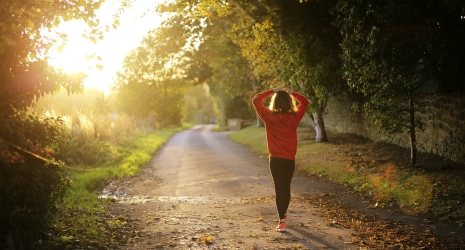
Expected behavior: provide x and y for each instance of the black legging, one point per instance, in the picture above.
(282, 171)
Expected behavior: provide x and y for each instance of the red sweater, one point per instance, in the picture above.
(281, 129)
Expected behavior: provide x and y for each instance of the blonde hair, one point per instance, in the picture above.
(282, 103)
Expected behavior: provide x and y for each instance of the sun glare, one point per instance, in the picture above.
(74, 56)
(101, 60)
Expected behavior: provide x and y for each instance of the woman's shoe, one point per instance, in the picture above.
(282, 225)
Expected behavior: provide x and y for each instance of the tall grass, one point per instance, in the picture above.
(100, 148)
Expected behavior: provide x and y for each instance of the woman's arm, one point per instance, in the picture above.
(302, 108)
(257, 102)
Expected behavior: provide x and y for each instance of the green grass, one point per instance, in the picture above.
(79, 217)
(415, 191)
(136, 153)
(252, 136)
(219, 128)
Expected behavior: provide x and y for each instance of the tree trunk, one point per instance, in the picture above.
(259, 121)
(320, 130)
(413, 139)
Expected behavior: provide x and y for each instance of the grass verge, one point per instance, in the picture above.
(80, 219)
(378, 170)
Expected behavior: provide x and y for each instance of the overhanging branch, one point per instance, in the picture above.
(243, 10)
(29, 153)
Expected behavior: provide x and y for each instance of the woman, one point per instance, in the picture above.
(281, 120)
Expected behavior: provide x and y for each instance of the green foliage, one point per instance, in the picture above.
(392, 48)
(217, 62)
(151, 83)
(251, 44)
(199, 105)
(80, 220)
(24, 73)
(91, 136)
(87, 152)
(29, 190)
(380, 59)
(28, 132)
(30, 182)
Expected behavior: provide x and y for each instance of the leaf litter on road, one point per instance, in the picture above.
(375, 233)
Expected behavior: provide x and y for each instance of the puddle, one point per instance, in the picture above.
(119, 194)
(172, 199)
(112, 191)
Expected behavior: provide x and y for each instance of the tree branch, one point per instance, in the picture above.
(243, 10)
(30, 153)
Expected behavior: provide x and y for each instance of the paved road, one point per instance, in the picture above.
(203, 191)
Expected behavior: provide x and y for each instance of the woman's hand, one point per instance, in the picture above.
(277, 89)
(288, 90)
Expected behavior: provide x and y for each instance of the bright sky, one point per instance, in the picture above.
(112, 49)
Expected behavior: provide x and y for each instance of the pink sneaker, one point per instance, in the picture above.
(282, 225)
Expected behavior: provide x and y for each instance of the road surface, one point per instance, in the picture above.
(203, 191)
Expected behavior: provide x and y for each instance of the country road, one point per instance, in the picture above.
(203, 191)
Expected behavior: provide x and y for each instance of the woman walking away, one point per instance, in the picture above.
(281, 120)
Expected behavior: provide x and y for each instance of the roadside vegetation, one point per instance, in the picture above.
(434, 189)
(219, 54)
(98, 150)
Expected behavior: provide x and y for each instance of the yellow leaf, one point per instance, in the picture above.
(373, 206)
(206, 239)
(30, 23)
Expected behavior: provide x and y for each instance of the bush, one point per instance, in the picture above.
(92, 135)
(32, 186)
(29, 189)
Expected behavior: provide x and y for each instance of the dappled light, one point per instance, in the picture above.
(117, 119)
(100, 54)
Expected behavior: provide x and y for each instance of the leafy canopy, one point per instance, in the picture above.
(151, 82)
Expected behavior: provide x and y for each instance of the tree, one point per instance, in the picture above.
(391, 49)
(29, 179)
(151, 82)
(283, 44)
(296, 44)
(210, 57)
(230, 75)
(25, 75)
(199, 105)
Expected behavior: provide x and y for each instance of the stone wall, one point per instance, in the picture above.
(443, 117)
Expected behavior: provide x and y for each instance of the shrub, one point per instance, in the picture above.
(29, 188)
(92, 135)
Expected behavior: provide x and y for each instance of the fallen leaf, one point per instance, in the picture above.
(206, 239)
(373, 206)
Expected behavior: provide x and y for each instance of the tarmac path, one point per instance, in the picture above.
(203, 191)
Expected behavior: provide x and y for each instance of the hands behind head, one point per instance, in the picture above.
(288, 90)
(277, 89)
